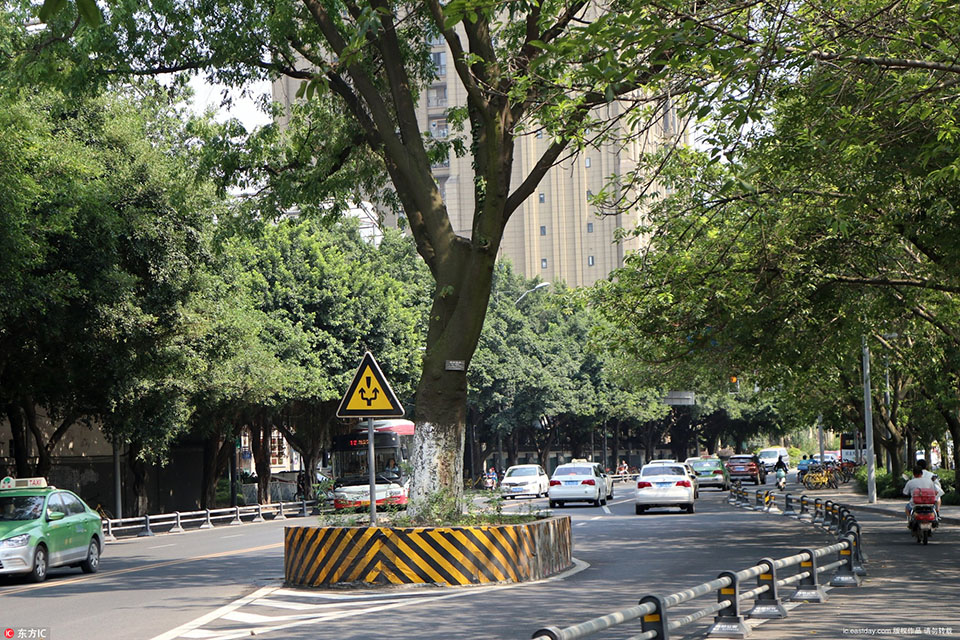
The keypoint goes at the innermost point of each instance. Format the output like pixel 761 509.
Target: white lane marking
pixel 162 546
pixel 193 625
pixel 580 524
pixel 595 518
pixel 192 630
pixel 606 510
pixel 623 501
pixel 236 535
pixel 361 595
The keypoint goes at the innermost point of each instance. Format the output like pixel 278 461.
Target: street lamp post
pixel 868 425
pixel 524 294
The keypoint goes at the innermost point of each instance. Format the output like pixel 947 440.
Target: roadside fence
pixel 179 521
pixel 736 598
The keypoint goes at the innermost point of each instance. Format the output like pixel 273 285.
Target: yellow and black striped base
pixel 317 556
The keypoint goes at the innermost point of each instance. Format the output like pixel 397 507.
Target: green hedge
pixel 889 487
pixel 796 455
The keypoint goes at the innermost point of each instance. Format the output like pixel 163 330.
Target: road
pixel 225 583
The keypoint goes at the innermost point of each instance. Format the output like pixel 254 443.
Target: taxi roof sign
pixel 369 395
pixel 23 483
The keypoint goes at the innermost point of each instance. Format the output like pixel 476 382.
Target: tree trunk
pixel 216 457
pixel 260 449
pixel 138 486
pixel 19 435
pixel 616 442
pixel 442 394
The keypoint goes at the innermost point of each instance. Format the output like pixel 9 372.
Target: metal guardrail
pixel 177 521
pixel 733 594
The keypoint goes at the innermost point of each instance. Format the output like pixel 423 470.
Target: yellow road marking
pixel 155 565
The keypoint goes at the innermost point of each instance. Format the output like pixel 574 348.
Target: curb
pixel 897 514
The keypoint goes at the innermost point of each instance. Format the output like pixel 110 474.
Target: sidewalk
pixel 910 591
pixel 847 495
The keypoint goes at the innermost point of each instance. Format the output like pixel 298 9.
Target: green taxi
pixel 43 527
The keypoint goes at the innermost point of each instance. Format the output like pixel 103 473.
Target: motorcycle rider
pixel 919 481
pixel 780 467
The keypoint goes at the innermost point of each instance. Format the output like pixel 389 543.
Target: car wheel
pixel 603 501
pixel 640 510
pixel 690 508
pixel 41 562
pixel 92 563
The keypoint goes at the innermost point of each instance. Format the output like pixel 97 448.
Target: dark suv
pixel 747 467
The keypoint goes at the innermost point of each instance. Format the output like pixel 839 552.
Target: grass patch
pixel 440 511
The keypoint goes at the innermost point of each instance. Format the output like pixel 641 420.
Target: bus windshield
pixel 350 455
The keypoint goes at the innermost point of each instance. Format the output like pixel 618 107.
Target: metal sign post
pixel 370 396
pixel 371 463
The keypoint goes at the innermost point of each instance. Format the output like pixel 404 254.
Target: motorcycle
pixel 781 479
pixel 923 517
pixel 490 483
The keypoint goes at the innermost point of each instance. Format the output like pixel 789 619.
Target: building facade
pixel 557 234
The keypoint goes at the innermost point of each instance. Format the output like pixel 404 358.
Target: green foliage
pixel 887 485
pixel 796 455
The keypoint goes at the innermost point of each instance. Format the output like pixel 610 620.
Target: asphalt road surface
pixel 226 582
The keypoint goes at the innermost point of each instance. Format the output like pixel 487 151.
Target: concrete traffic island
pixel 454 556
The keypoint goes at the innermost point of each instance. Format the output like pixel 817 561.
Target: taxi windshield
pixel 17 508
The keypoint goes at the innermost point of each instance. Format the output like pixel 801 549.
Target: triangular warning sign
pixel 369 395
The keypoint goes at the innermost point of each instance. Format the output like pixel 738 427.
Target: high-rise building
pixel 557 234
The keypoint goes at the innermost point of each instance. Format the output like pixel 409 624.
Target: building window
pixel 543 230
pixel 438 128
pixel 589 227
pixel 540 133
pixel 590 261
pixel 542 198
pixel 277 448
pixel 543 263
pixel 437 96
pixel 436 40
pixel 439 59
pixel 586 163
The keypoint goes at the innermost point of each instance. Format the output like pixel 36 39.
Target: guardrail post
pixel 809 588
pixel 733 497
pixel 657 620
pixel 768 603
pixel 108 536
pixel 817 511
pixel 207 524
pixel 758 503
pixel 827 522
pixel 845 576
pixel 280 515
pixel 771 500
pixel 858 557
pixel 547 632
pixel 303 508
pixel 804 511
pixel 728 623
pixel 147 531
pixel 259 516
pixel 236 516
pixel 788 509
pixel 177 526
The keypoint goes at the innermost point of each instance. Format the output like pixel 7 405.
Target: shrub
pixel 796 454
pixel 887 485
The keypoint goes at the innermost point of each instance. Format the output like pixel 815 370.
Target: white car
pixel 353 492
pixel 664 485
pixel 525 480
pixel 691 474
pixel 579 482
